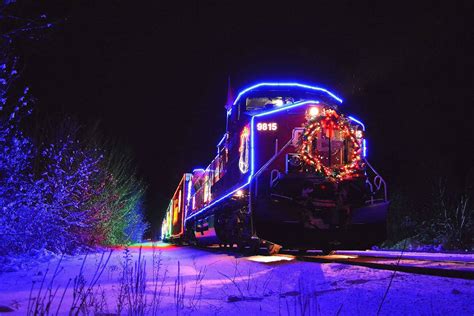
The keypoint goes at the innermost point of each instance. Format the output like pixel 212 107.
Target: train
pixel 291 171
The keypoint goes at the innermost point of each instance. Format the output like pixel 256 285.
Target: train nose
pixel 323 190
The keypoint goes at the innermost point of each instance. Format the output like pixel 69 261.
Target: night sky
pixel 155 75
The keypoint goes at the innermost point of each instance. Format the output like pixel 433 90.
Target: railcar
pixel 291 171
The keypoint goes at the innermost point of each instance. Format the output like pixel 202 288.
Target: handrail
pixel 265 166
pixel 274 176
pixel 378 182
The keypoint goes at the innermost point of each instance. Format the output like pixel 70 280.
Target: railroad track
pixel 452 268
pixel 442 265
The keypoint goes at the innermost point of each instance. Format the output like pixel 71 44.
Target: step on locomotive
pixel 291 171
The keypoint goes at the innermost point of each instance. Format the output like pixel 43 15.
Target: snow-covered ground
pixel 202 282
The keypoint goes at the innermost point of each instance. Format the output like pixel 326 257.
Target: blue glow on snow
pixel 287 84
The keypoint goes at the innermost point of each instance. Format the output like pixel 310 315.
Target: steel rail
pixel 371 262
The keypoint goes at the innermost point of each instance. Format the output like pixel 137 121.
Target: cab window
pixel 264 103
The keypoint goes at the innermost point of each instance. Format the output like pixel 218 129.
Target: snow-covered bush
pixel 124 194
pixel 93 198
pixel 19 198
pixel 68 185
pixel 441 220
pixel 453 222
pixel 18 195
pixel 66 192
pixel 78 198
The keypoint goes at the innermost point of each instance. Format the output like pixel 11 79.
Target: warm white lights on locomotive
pixel 244 150
pixel 239 193
pixel 278 102
pixel 313 111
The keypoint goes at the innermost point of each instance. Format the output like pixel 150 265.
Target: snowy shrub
pixel 136 224
pixel 96 197
pixel 67 192
pixel 78 199
pixel 124 194
pixel 442 220
pixel 19 198
pixel 69 184
pixel 453 223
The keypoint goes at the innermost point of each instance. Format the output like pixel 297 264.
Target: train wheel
pixel 249 247
pixel 191 237
pixel 242 247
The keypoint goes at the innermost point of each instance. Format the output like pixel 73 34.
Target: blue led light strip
pixel 364 142
pixel 252 154
pixel 286 84
pixel 252 148
pixel 222 140
pixel 217 201
pixel 357 121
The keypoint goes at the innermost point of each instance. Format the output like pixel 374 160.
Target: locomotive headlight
pixel 239 193
pixel 313 111
pixel 278 102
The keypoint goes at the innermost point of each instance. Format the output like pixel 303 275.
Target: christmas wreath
pixel 326 125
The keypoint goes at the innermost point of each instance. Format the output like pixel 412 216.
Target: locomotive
pixel 291 171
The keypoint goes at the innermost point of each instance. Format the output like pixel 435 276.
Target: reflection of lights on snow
pixel 269 259
pixel 239 193
pixel 341 257
pixel 150 245
pixel 278 102
pixel 313 111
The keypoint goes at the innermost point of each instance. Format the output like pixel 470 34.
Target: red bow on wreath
pixel 330 123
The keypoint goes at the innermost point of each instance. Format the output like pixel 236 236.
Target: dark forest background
pixel 154 75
